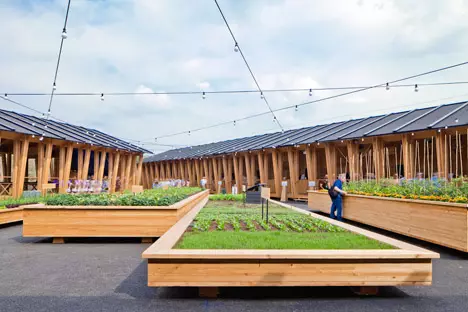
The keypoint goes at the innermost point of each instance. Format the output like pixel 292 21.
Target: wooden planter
pixel 408 265
pixel 105 221
pixel 441 223
pixel 11 215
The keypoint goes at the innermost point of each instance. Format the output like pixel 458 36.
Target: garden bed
pixel 11 215
pixel 97 217
pixel 175 260
pixel 443 223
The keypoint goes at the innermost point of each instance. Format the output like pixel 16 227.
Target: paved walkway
pixel 109 275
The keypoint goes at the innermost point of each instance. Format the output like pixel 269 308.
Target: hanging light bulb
pixel 387 87
pixel 296 109
pixel 456 120
pixel 234 123
pixel 33 136
pixel 416 88
pixel 189 133
pixel 64 34
pixel 274 118
pixel 310 92
pixel 102 96
pixel 261 95
pixel 41 138
pixel 203 95
pixel 54 87
pixel 236 48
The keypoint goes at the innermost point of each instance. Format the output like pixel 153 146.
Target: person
pixel 337 201
pixel 203 183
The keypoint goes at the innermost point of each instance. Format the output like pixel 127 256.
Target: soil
pixel 243 226
pixel 213 226
pixel 228 227
pixel 258 227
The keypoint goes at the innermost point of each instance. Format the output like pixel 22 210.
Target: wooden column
pixel 248 171
pixel 139 170
pixel 293 170
pixel 227 178
pixel 47 162
pixel 87 158
pixel 102 165
pixel 210 176
pixel 79 173
pixel 330 157
pixel 67 167
pixel 441 154
pixel 181 169
pixel 110 170
pixel 128 171
pixel 62 154
pixel 261 168
pixel 276 171
pixel 115 171
pixel 408 156
pixel 216 175
pixel 190 173
pixel 353 160
pixel 22 167
pixel 311 162
pixel 266 168
pixel 96 165
pixel 197 171
pixel 40 165
pixel 237 175
pixel 379 158
pixel 15 171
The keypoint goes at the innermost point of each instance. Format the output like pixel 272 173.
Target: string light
pixel 274 118
pixel 416 88
pixel 102 96
pixel 310 92
pixel 6 95
pixel 234 123
pixel 54 86
pixel 387 86
pixel 236 48
pixel 456 120
pixel 64 34
pixel 296 109
pixel 261 95
pixel 203 95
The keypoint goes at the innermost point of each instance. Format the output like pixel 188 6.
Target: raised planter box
pixel 11 215
pixel 407 265
pixel 441 223
pixel 105 221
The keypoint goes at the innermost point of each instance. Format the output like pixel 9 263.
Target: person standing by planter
pixel 336 192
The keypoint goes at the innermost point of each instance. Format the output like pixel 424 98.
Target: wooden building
pixel 419 143
pixel 35 153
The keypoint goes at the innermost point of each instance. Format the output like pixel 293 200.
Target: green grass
pixel 277 240
pixel 18 202
pixel 233 225
pixel 227 197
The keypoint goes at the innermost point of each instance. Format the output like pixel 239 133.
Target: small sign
pixel 265 192
pixel 311 183
pixel 220 182
pixel 137 189
pixel 284 183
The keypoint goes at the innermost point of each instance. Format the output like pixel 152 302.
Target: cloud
pixel 177 45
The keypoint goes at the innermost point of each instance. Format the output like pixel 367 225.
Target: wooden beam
pixel 227 177
pixel 22 166
pixel 216 174
pixel 190 172
pixel 311 163
pixel 16 161
pixel 441 154
pixel 197 172
pixel 110 170
pixel 139 170
pixel 266 168
pixel 293 170
pixel 47 162
pixel 67 168
pixel 87 158
pixel 62 153
pixel 330 158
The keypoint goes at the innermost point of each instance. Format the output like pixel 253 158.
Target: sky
pixel 182 45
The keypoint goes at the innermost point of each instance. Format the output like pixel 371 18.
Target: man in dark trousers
pixel 336 192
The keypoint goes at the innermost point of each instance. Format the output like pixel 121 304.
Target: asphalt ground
pixel 109 275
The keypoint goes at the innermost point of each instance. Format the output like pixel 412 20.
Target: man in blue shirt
pixel 337 202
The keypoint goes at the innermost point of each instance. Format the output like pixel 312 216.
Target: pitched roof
pixel 26 124
pixel 447 115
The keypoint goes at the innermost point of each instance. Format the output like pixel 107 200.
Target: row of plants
pixel 227 197
pixel 14 203
pixel 455 191
pixel 254 222
pixel 154 197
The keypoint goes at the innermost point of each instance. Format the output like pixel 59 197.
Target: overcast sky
pixel 182 45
